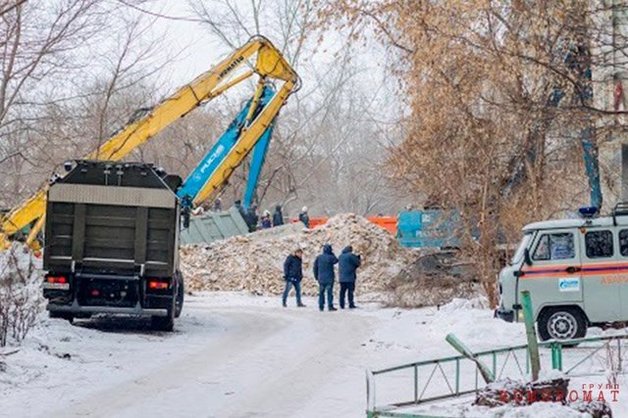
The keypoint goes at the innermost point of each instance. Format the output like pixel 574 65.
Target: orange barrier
pixel 389 223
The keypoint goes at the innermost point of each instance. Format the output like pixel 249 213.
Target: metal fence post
pixel 416 384
pixel 533 347
pixel 495 365
pixel 557 356
pixel 370 395
pixel 457 376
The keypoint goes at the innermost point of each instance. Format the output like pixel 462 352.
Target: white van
pixel 576 271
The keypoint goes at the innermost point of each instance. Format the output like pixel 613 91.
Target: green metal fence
pixel 451 377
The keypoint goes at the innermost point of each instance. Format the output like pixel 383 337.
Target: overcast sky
pixel 191 48
pixel 194 48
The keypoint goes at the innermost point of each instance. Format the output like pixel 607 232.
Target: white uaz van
pixel 576 271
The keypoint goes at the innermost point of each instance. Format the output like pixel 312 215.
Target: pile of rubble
pixel 255 263
pixel 434 278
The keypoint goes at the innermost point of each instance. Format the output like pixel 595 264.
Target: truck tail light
pixel 156 284
pixel 57 283
pixel 57 279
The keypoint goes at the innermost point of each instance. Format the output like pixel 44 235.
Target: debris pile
pixel 518 393
pixel 255 263
pixel 434 278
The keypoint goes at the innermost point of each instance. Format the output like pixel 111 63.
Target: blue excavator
pixel 193 190
pixel 258 58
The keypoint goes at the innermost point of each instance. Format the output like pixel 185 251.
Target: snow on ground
pixel 235 355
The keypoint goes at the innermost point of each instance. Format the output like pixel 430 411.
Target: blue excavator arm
pixel 206 169
pixel 581 67
pixel 257 163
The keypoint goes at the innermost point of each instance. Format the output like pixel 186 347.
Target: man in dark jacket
pixel 292 274
pixel 278 216
pixel 325 275
pixel 252 218
pixel 217 205
pixel 304 217
pixel 348 263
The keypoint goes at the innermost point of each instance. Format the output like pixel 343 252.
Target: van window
pixel 623 242
pixel 557 246
pixel 599 244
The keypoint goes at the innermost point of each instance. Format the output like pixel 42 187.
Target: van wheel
pixel 561 324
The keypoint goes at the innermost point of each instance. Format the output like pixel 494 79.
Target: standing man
pixel 277 216
pixel 304 217
pixel 252 218
pixel 292 274
pixel 348 263
pixel 266 222
pixel 325 275
pixel 217 205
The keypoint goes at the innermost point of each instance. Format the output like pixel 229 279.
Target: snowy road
pixel 232 355
pixel 262 363
pixel 224 361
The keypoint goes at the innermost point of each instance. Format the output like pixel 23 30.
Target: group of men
pixel 325 275
pixel 254 222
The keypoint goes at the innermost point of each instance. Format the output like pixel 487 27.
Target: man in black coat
pixel 278 216
pixel 348 263
pixel 304 217
pixel 252 218
pixel 293 274
pixel 325 275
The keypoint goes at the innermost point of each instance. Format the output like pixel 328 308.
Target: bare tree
pixel 69 81
pixel 500 95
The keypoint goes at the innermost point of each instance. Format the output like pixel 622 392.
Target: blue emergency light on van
pixel 588 211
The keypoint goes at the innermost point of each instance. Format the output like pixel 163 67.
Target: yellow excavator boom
pixel 269 64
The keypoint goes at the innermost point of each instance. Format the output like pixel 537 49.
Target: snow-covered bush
pixel 20 293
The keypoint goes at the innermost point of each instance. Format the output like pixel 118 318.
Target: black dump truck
pixel 111 243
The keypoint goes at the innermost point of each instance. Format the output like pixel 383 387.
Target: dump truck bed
pixel 123 222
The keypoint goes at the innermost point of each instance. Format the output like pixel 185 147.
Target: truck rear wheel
pixel 180 296
pixel 561 324
pixel 61 315
pixel 163 323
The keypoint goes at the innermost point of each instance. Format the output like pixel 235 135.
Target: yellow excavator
pixel 258 57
